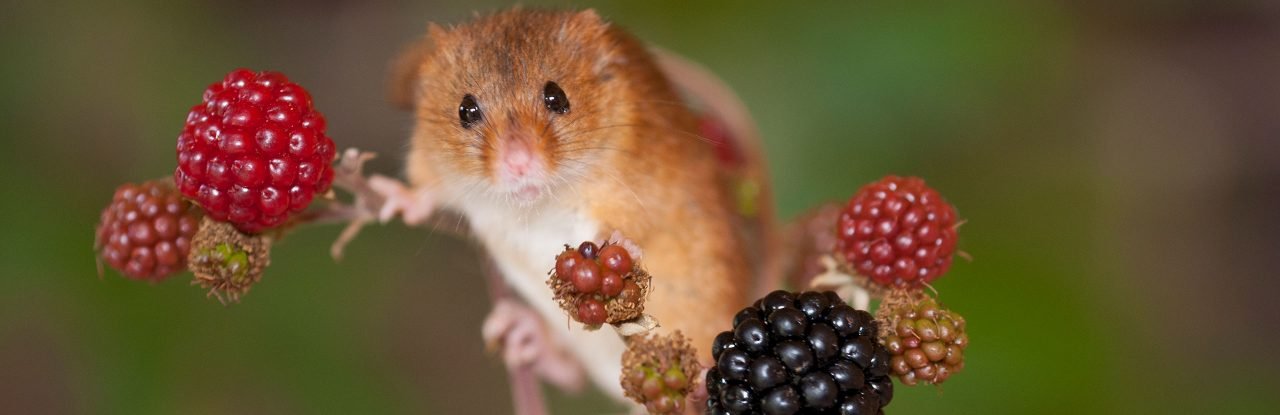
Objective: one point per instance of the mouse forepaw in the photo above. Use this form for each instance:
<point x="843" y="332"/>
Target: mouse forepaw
<point x="413" y="205"/>
<point x="517" y="332"/>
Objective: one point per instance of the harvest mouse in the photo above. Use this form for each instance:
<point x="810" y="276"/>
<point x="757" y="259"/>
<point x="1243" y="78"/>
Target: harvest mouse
<point x="545" y="128"/>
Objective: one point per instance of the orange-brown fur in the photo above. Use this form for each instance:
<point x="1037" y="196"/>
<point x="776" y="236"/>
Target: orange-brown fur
<point x="628" y="151"/>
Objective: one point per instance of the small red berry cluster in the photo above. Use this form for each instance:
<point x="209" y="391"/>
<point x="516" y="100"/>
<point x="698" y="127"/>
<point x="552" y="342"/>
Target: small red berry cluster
<point x="599" y="284"/>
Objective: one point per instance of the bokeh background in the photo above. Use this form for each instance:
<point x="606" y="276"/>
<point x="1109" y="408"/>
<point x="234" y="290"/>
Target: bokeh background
<point x="1118" y="163"/>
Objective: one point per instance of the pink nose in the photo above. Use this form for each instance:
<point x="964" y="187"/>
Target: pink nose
<point x="518" y="161"/>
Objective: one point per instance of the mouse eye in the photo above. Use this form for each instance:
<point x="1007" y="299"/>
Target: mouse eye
<point x="554" y="98"/>
<point x="469" y="111"/>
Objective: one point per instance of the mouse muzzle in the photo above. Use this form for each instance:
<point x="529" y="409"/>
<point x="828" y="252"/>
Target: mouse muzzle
<point x="518" y="160"/>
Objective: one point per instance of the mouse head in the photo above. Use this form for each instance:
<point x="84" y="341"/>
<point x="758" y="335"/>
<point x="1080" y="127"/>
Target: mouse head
<point x="515" y="103"/>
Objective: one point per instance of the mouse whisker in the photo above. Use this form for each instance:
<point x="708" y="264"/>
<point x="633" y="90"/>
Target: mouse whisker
<point x="573" y="134"/>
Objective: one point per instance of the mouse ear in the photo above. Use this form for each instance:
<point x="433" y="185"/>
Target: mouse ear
<point x="402" y="90"/>
<point x="589" y="17"/>
<point x="585" y="23"/>
<point x="590" y="29"/>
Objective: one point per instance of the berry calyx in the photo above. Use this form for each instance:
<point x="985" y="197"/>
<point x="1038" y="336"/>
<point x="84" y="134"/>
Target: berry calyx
<point x="145" y="233"/>
<point x="799" y="353"/>
<point x="597" y="284"/>
<point x="254" y="151"/>
<point x="927" y="342"/>
<point x="657" y="371"/>
<point x="226" y="261"/>
<point x="898" y="232"/>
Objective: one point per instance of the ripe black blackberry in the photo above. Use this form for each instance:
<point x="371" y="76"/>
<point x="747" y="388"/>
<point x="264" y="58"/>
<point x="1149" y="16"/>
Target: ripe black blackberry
<point x="805" y="353"/>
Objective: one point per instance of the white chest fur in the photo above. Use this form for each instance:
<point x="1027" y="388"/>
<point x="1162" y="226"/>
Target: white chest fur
<point x="523" y="242"/>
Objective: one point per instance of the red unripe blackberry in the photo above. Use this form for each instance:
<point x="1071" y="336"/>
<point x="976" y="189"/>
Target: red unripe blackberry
<point x="254" y="151"/>
<point x="898" y="232"/>
<point x="145" y="233"/>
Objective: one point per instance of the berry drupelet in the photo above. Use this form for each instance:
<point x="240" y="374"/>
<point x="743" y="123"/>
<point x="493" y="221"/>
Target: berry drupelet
<point x="898" y="232"/>
<point x="254" y="151"/>
<point x="806" y="353"/>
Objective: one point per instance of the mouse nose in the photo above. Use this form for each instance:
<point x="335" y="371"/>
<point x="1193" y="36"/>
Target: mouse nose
<point x="518" y="158"/>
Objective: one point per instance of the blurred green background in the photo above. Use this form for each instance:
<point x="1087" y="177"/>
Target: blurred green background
<point x="1118" y="164"/>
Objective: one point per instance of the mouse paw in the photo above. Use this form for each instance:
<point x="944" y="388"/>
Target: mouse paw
<point x="414" y="205"/>
<point x="518" y="332"/>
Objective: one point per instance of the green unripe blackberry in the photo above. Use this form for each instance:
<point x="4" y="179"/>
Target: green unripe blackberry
<point x="657" y="371"/>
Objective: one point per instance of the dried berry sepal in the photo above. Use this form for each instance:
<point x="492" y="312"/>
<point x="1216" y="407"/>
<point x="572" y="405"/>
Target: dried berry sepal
<point x="226" y="261"/>
<point x="659" y="371"/>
